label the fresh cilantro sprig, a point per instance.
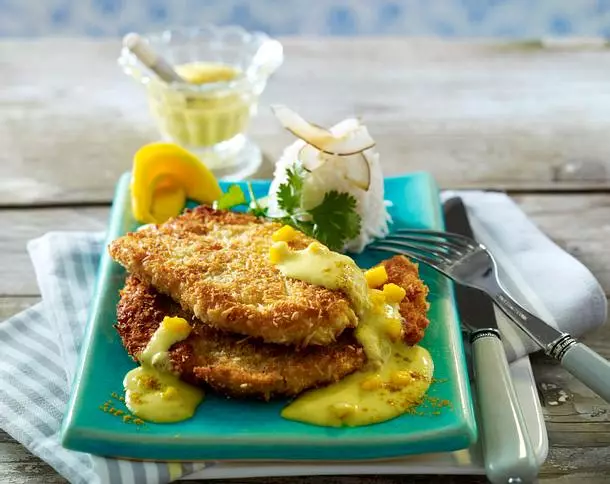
(333, 221)
(290, 192)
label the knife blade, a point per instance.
(476, 309)
(507, 448)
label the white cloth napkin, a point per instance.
(40, 346)
(537, 272)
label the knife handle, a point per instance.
(589, 367)
(580, 360)
(507, 447)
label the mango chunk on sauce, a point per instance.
(373, 382)
(277, 252)
(176, 325)
(393, 293)
(376, 277)
(393, 328)
(285, 234)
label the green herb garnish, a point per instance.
(233, 197)
(333, 222)
(289, 194)
(255, 207)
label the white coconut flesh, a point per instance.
(348, 140)
(359, 174)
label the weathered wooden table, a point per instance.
(527, 118)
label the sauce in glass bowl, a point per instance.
(205, 118)
(225, 70)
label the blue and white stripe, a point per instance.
(39, 350)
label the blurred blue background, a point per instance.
(446, 18)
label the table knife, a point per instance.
(507, 449)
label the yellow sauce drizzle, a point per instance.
(320, 266)
(368, 396)
(396, 376)
(153, 391)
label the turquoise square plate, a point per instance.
(225, 429)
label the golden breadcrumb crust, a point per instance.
(232, 364)
(414, 306)
(241, 366)
(216, 264)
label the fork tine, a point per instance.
(427, 250)
(457, 239)
(450, 248)
(395, 250)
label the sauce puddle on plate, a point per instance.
(153, 391)
(396, 376)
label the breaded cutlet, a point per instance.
(414, 307)
(215, 264)
(232, 364)
(246, 367)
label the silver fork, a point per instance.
(469, 263)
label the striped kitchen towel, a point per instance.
(39, 349)
(40, 346)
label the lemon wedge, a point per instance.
(164, 176)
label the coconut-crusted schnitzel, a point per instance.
(215, 263)
(246, 367)
(232, 364)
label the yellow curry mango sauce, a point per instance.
(206, 118)
(396, 376)
(153, 391)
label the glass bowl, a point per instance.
(210, 119)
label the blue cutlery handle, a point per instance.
(507, 447)
(589, 367)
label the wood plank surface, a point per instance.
(475, 114)
(29, 223)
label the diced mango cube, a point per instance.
(376, 277)
(401, 378)
(343, 409)
(170, 393)
(316, 247)
(176, 325)
(393, 293)
(394, 328)
(277, 252)
(377, 297)
(372, 383)
(285, 234)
